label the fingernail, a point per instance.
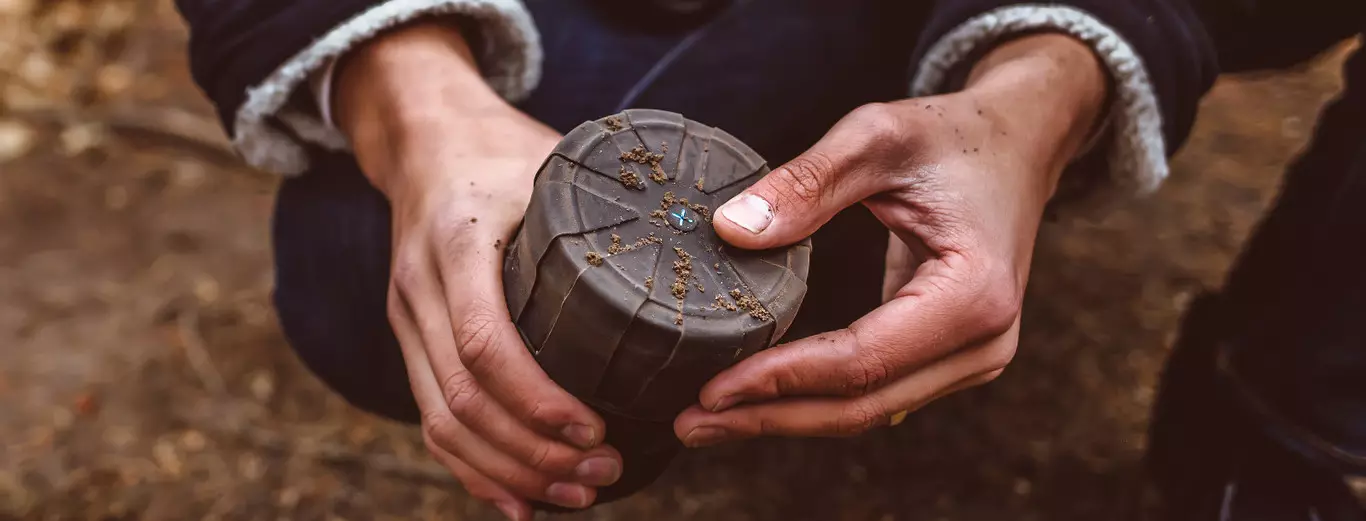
(725, 403)
(899, 417)
(704, 436)
(598, 472)
(509, 510)
(570, 495)
(749, 211)
(582, 436)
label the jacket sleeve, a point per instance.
(1275, 34)
(253, 59)
(1160, 59)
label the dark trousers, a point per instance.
(1295, 335)
(774, 73)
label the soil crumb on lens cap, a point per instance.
(750, 304)
(722, 303)
(593, 258)
(614, 124)
(701, 209)
(682, 275)
(629, 179)
(641, 155)
(616, 246)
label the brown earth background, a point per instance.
(142, 375)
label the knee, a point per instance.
(331, 242)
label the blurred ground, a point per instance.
(142, 375)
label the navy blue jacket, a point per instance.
(1184, 44)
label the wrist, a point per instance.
(405, 92)
(1049, 90)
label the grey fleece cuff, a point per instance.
(511, 63)
(1137, 157)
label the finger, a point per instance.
(480, 486)
(449, 435)
(487, 344)
(795, 199)
(477, 411)
(935, 316)
(843, 416)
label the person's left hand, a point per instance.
(961, 182)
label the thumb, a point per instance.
(792, 202)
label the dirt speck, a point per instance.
(474, 220)
(641, 155)
(593, 258)
(701, 209)
(629, 179)
(700, 182)
(649, 283)
(748, 303)
(682, 274)
(614, 123)
(616, 246)
(722, 303)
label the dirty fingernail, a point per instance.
(582, 436)
(704, 436)
(598, 472)
(749, 211)
(568, 495)
(510, 510)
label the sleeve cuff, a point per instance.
(272, 135)
(321, 85)
(1137, 159)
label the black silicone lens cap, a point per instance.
(621, 287)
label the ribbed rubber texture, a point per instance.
(609, 323)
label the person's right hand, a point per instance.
(457, 164)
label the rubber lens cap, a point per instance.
(622, 289)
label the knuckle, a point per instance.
(880, 121)
(526, 482)
(406, 273)
(858, 417)
(463, 396)
(870, 365)
(396, 311)
(540, 459)
(546, 413)
(998, 356)
(997, 301)
(807, 178)
(438, 430)
(769, 427)
(868, 373)
(475, 338)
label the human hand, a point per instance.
(961, 182)
(457, 165)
